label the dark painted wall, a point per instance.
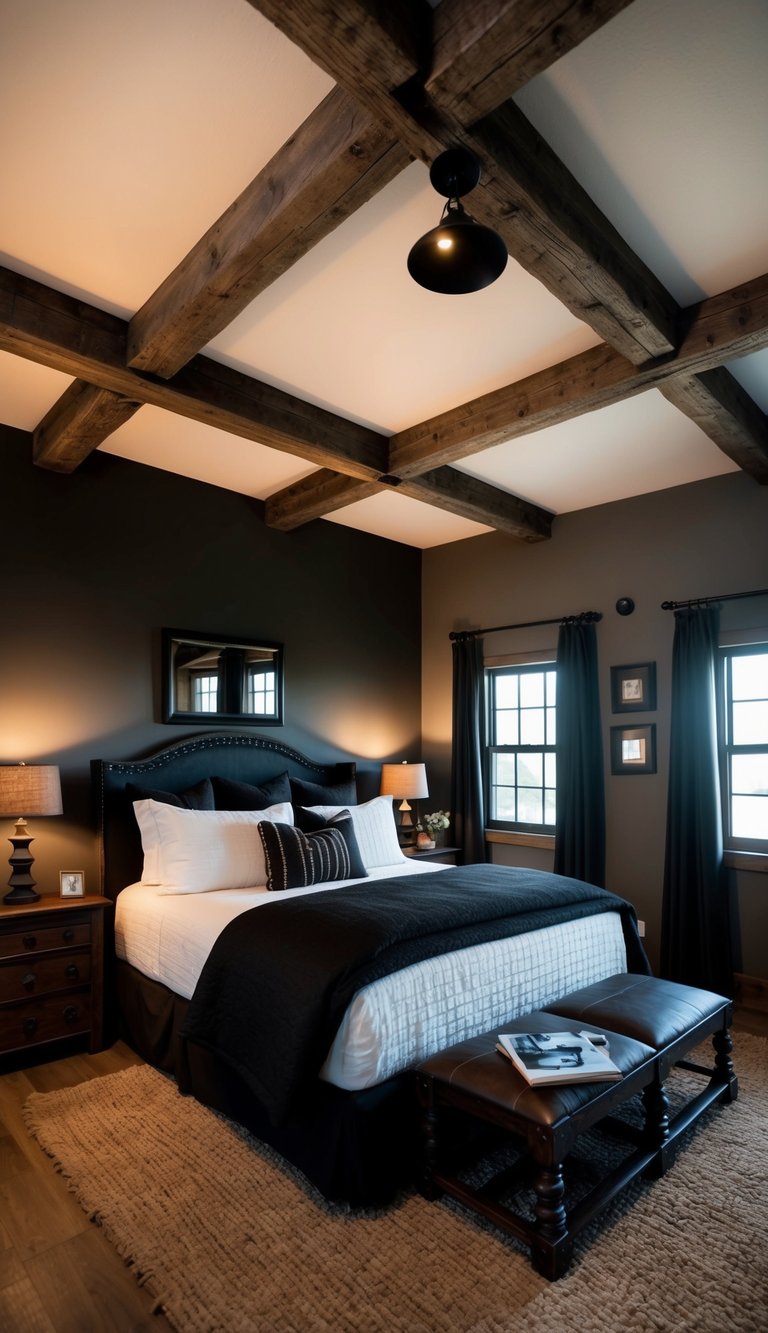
(95, 564)
(707, 538)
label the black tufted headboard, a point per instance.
(243, 758)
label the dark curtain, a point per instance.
(467, 799)
(580, 804)
(695, 932)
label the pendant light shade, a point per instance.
(458, 255)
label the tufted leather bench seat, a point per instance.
(472, 1078)
(672, 1018)
(650, 1024)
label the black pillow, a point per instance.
(199, 797)
(309, 821)
(231, 795)
(296, 860)
(315, 793)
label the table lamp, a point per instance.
(405, 782)
(26, 789)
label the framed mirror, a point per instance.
(211, 678)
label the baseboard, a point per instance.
(751, 992)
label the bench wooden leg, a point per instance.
(551, 1241)
(656, 1133)
(725, 1073)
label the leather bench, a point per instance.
(472, 1078)
(672, 1018)
(651, 1025)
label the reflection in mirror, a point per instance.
(208, 678)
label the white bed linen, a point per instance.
(399, 1019)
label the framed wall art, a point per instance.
(71, 884)
(633, 749)
(633, 688)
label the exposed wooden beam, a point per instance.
(334, 163)
(468, 497)
(722, 328)
(485, 50)
(725, 412)
(548, 222)
(325, 492)
(77, 423)
(59, 331)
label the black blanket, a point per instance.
(280, 976)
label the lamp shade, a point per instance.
(30, 789)
(406, 782)
(457, 256)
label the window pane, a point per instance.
(549, 807)
(532, 690)
(750, 723)
(532, 726)
(530, 806)
(551, 726)
(750, 676)
(750, 816)
(530, 770)
(504, 769)
(749, 775)
(506, 691)
(503, 803)
(507, 729)
(551, 688)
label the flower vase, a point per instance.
(424, 842)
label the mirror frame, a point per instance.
(171, 711)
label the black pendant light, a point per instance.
(459, 255)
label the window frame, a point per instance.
(542, 663)
(727, 749)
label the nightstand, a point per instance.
(445, 854)
(52, 973)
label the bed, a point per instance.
(300, 1013)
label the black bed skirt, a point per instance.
(355, 1147)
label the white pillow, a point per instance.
(375, 830)
(194, 851)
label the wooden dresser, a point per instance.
(52, 973)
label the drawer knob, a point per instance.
(72, 971)
(70, 1013)
(29, 941)
(29, 981)
(68, 935)
(30, 1027)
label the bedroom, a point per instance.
(102, 559)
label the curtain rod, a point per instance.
(705, 601)
(586, 616)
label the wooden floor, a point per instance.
(58, 1274)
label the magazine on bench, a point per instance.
(559, 1057)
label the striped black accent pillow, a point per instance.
(296, 860)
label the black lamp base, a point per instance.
(20, 895)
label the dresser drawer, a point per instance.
(26, 977)
(39, 939)
(44, 1020)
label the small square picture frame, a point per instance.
(633, 688)
(71, 884)
(633, 750)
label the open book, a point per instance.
(559, 1057)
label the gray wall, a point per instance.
(707, 538)
(95, 564)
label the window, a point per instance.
(744, 747)
(205, 692)
(260, 696)
(520, 781)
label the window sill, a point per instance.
(546, 841)
(756, 861)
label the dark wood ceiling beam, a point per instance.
(79, 421)
(722, 328)
(334, 163)
(469, 497)
(548, 222)
(725, 412)
(444, 488)
(56, 330)
(485, 50)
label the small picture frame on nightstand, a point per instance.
(71, 884)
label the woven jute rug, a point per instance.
(229, 1239)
